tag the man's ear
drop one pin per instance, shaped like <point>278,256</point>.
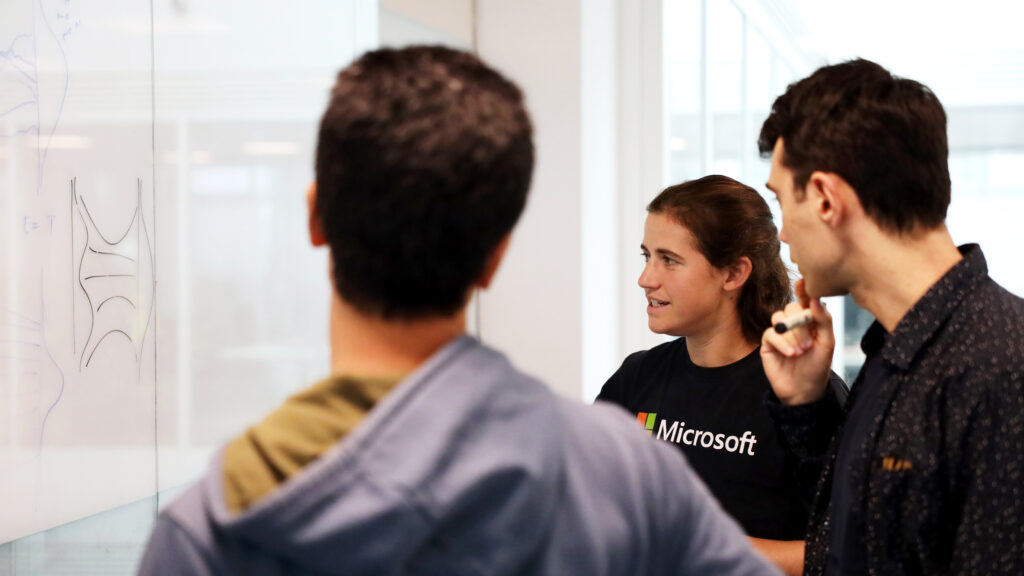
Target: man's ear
<point>316,229</point>
<point>737,274</point>
<point>830,193</point>
<point>493,261</point>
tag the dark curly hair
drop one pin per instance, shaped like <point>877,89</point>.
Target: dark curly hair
<point>884,135</point>
<point>423,164</point>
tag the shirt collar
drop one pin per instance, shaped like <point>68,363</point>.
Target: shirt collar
<point>925,317</point>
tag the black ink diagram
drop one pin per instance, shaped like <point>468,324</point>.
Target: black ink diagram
<point>113,271</point>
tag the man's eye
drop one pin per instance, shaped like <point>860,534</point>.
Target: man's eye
<point>667,260</point>
<point>646,256</point>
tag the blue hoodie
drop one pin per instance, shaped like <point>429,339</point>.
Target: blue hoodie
<point>467,467</point>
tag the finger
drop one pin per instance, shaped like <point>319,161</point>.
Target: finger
<point>800,288</point>
<point>801,336</point>
<point>773,342</point>
<point>780,315</point>
<point>797,337</point>
<point>793,308</point>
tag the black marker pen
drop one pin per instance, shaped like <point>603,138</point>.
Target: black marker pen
<point>789,322</point>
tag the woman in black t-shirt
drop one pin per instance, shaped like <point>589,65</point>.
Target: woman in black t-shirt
<point>713,276</point>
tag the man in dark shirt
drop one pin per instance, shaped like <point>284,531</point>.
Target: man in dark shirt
<point>921,471</point>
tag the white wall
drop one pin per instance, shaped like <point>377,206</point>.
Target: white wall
<point>565,305</point>
<point>533,310</point>
<point>447,22</point>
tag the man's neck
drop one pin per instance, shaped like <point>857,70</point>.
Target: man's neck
<point>366,346</point>
<point>895,272</point>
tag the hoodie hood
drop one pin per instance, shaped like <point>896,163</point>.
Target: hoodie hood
<point>440,474</point>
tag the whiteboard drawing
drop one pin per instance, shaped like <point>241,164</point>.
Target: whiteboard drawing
<point>34,85</point>
<point>95,97</point>
<point>77,250</point>
<point>25,355</point>
<point>113,272</point>
<point>25,108</point>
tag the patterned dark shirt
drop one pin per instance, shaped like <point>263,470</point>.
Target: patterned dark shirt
<point>940,473</point>
<point>847,554</point>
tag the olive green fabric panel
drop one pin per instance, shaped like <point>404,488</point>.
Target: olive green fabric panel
<point>302,429</point>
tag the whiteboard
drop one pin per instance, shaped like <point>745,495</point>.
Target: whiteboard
<point>157,292</point>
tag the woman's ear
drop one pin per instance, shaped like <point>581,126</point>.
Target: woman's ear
<point>738,274</point>
<point>316,229</point>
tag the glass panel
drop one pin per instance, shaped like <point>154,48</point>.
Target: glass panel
<point>77,342</point>
<point>683,90</point>
<point>245,300</point>
<point>988,199</point>
<point>114,174</point>
<point>760,95</point>
<point>725,42</point>
<point>107,544</point>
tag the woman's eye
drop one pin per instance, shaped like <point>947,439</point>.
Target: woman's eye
<point>667,260</point>
<point>646,256</point>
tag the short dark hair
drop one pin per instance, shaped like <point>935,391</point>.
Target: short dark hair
<point>423,164</point>
<point>730,220</point>
<point>884,135</point>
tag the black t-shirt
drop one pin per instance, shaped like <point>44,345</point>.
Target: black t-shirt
<point>718,418</point>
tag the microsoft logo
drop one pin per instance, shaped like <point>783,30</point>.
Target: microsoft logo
<point>646,419</point>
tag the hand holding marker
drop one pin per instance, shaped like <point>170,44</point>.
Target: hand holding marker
<point>794,321</point>
<point>797,350</point>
